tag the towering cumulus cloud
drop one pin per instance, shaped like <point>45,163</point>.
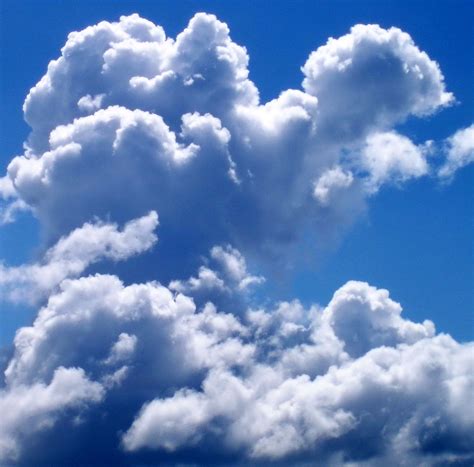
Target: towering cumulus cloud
<point>179,361</point>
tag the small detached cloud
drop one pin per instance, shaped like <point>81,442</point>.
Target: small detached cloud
<point>10,204</point>
<point>459,152</point>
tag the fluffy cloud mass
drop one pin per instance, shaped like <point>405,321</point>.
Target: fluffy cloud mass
<point>179,124</point>
<point>178,359</point>
<point>271,384</point>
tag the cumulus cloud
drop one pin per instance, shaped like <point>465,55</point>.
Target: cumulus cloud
<point>130,340</point>
<point>277,383</point>
<point>73,254</point>
<point>128,121</point>
<point>224,280</point>
<point>123,348</point>
<point>272,411</point>
<point>113,320</point>
<point>7,190</point>
<point>132,63</point>
<point>274,418</point>
<point>459,152</point>
<point>179,123</point>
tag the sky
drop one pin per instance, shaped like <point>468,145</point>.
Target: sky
<point>220,212</point>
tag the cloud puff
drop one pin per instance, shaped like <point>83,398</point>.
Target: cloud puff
<point>459,152</point>
<point>103,314</point>
<point>175,125</point>
<point>130,341</point>
<point>365,318</point>
<point>110,153</point>
<point>390,157</point>
<point>223,280</point>
<point>331,182</point>
<point>28,409</point>
<point>73,254</point>
<point>371,78</point>
<point>271,414</point>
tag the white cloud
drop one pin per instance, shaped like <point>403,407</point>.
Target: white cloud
<point>270,385</point>
<point>224,280</point>
<point>234,266</point>
<point>10,205</point>
<point>371,78</point>
<point>184,415</point>
<point>88,104</point>
<point>147,122</point>
<point>131,63</point>
<point>90,314</point>
<point>459,152</point>
<point>123,349</point>
<point>7,190</point>
<point>272,418</point>
<point>207,280</point>
<point>391,158</point>
<point>331,182</point>
<point>28,409</point>
<point>128,121</point>
<point>365,318</point>
<point>73,254</point>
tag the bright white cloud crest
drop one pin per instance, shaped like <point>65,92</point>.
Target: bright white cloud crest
<point>139,126</point>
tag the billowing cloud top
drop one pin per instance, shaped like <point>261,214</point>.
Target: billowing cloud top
<point>129,126</point>
<point>138,121</point>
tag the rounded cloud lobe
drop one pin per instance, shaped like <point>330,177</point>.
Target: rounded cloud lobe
<point>372,77</point>
<point>142,127</point>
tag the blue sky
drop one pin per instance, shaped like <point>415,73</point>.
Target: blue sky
<point>274,230</point>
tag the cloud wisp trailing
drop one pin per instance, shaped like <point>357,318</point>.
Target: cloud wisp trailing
<point>73,254</point>
<point>459,152</point>
<point>140,126</point>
